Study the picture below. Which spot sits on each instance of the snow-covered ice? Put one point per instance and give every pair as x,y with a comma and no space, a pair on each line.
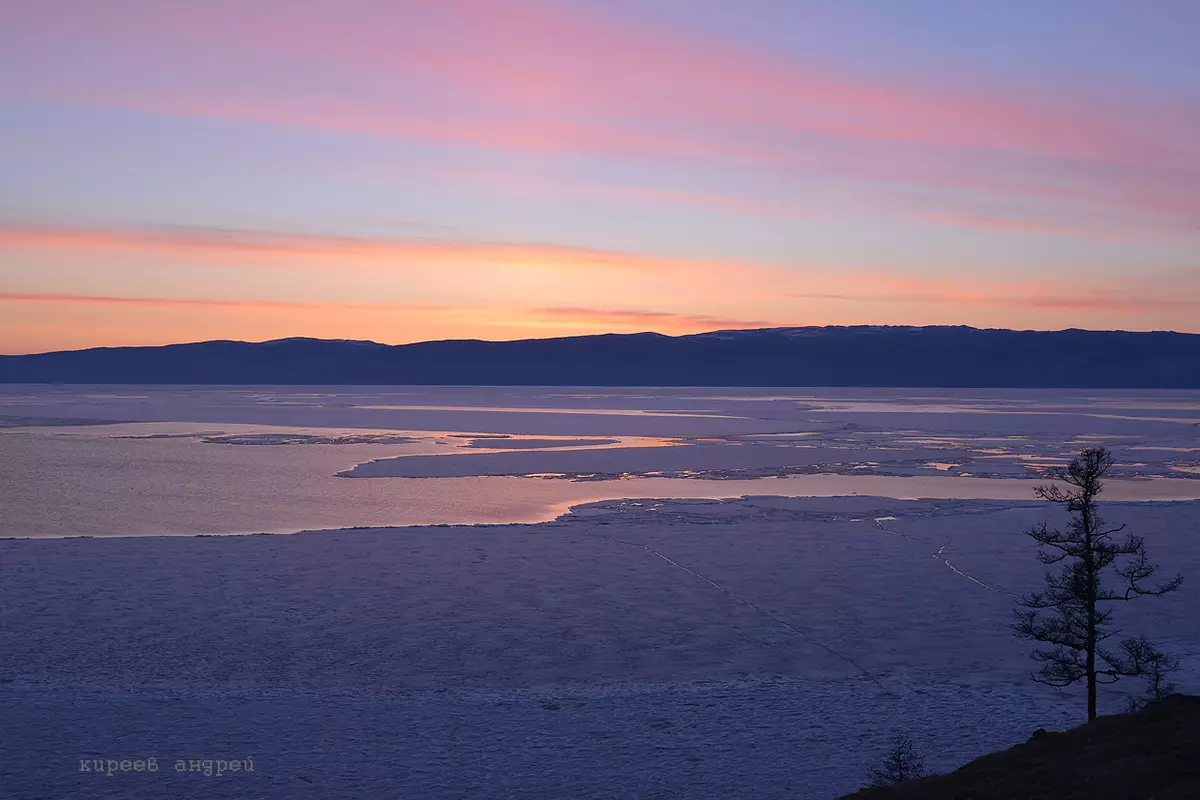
756,647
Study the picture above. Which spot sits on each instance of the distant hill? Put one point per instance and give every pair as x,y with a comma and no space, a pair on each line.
1151,755
815,356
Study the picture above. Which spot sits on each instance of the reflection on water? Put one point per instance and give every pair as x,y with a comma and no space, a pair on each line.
159,475
88,485
596,412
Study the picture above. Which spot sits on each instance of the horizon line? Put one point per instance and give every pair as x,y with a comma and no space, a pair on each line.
590,336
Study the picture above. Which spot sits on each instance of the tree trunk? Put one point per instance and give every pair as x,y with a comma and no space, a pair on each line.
1087,510
1091,647
1091,679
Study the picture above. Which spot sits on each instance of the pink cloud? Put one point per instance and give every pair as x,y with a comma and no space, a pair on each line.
1096,225
1048,294
544,77
538,62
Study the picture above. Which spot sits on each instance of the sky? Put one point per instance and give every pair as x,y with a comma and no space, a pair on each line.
406,170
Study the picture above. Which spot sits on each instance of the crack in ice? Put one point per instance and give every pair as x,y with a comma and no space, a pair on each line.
880,520
749,603
940,557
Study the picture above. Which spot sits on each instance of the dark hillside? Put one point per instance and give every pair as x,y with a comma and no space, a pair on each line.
1151,755
951,357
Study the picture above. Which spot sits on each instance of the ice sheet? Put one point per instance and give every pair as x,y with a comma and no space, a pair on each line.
757,648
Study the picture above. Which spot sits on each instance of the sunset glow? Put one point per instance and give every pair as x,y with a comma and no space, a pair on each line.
430,169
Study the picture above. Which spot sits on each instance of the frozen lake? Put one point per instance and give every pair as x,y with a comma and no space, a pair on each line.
651,643
217,460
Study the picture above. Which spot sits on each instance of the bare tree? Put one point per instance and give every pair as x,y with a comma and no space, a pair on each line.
1154,666
902,763
1070,617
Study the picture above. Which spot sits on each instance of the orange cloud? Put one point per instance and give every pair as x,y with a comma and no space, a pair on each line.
416,289
411,271
297,247
39,322
527,316
105,319
200,302
576,272
661,321
857,289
